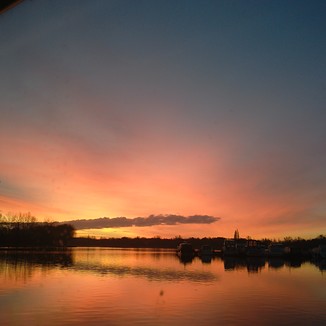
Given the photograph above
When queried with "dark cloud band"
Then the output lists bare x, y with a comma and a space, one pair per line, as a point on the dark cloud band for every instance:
118, 222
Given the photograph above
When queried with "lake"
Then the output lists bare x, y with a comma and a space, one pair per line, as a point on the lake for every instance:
106, 286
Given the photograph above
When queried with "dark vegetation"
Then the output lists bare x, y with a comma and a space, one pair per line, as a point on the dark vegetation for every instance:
23, 230
298, 245
139, 242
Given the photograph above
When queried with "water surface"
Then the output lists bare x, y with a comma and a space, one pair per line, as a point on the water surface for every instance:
105, 286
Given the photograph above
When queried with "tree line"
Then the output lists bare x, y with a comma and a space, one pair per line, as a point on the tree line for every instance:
23, 230
216, 243
142, 242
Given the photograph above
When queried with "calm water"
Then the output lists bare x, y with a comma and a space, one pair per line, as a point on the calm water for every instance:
153, 287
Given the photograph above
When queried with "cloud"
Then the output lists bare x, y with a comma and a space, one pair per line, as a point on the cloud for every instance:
118, 222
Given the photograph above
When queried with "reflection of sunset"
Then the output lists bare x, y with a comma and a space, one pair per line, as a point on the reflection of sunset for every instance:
127, 286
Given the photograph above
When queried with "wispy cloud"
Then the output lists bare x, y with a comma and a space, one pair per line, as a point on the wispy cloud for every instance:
118, 222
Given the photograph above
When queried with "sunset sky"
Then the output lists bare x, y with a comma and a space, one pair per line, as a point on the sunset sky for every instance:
214, 109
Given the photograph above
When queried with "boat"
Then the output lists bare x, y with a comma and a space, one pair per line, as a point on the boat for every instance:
241, 245
277, 250
230, 248
205, 250
319, 252
255, 249
185, 249
237, 246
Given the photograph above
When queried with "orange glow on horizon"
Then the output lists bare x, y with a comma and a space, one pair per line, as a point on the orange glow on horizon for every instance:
74, 180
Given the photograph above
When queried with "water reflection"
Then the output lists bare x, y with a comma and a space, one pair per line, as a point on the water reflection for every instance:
148, 287
276, 263
22, 264
294, 262
252, 264
321, 264
185, 259
206, 259
256, 264
150, 273
154, 265
41, 258
91, 260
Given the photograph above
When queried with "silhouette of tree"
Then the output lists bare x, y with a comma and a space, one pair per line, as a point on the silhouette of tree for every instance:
23, 230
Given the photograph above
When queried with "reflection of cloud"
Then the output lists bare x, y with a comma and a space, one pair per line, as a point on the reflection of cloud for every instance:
107, 222
150, 273
23, 265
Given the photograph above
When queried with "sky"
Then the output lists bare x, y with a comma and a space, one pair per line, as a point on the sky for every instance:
175, 118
